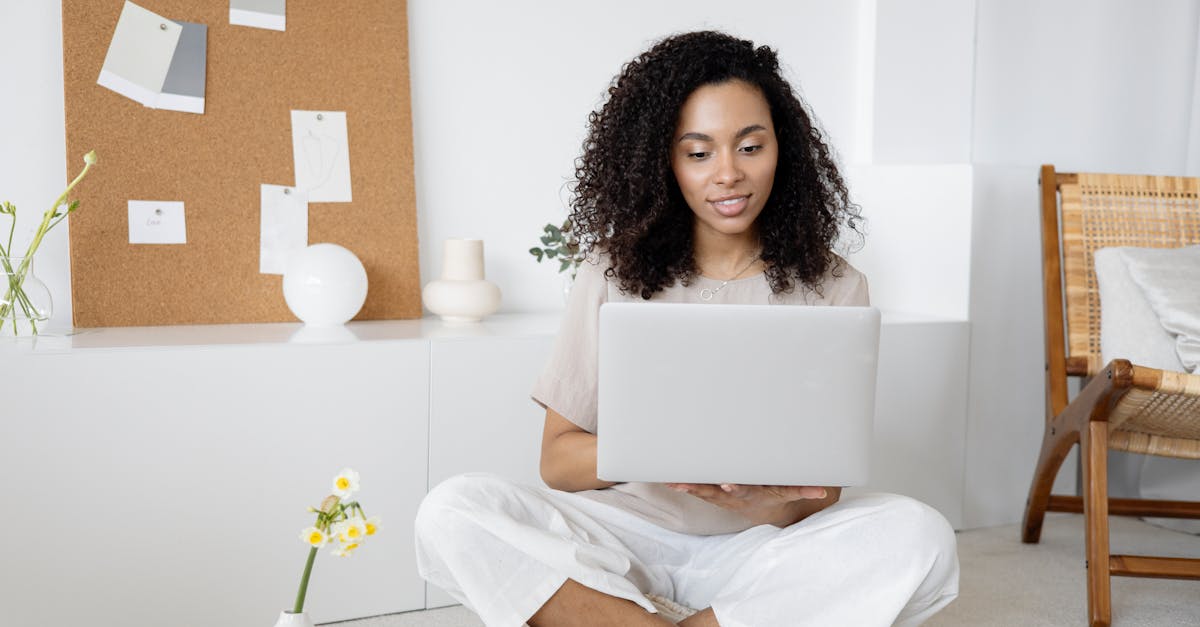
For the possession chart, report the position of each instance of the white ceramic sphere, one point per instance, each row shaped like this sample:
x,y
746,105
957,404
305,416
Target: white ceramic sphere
x,y
324,284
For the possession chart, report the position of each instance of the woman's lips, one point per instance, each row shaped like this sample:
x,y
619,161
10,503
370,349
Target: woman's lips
x,y
730,207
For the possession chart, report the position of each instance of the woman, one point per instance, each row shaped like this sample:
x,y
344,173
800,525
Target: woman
x,y
703,179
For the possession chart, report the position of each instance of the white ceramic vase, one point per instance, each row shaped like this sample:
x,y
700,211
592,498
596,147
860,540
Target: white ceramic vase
x,y
288,619
462,294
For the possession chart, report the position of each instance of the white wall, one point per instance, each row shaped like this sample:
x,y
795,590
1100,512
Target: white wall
x,y
33,137
924,59
1086,85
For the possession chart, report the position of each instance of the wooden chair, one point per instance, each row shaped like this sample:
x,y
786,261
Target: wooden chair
x,y
1121,406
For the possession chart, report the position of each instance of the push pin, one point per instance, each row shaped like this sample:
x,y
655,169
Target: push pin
x,y
320,116
287,190
162,27
158,212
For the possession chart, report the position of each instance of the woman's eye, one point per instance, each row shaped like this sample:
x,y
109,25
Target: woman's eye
x,y
697,155
751,148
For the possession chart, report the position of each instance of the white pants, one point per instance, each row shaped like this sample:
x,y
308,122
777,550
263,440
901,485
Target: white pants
x,y
504,549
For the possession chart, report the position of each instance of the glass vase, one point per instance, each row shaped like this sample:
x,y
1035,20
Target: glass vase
x,y
25,304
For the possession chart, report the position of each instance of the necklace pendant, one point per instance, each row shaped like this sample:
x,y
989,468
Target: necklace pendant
x,y
706,294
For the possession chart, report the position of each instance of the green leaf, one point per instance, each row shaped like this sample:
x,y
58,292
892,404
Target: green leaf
x,y
554,231
547,240
551,253
73,206
566,263
536,252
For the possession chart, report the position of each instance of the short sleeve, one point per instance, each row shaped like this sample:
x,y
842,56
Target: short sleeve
x,y
854,292
568,384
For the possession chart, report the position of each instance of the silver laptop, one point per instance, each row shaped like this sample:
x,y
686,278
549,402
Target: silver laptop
x,y
748,394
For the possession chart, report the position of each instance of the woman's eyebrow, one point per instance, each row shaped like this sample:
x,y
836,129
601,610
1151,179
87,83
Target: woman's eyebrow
x,y
705,138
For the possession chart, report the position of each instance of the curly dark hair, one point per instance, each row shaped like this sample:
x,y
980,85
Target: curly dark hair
x,y
627,202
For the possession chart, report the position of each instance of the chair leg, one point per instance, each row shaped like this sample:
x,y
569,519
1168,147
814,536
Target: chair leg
x,y
1095,513
1060,436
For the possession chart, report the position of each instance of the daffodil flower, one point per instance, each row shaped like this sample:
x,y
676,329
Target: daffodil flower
x,y
337,519
345,550
314,537
350,530
345,483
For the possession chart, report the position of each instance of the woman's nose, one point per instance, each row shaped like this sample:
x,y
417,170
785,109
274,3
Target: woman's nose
x,y
728,172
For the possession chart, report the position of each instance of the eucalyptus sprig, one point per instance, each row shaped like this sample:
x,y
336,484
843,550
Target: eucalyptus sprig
x,y
559,242
15,296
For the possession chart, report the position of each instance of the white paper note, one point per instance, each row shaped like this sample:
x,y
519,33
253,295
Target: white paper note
x,y
139,55
321,151
271,14
284,226
157,222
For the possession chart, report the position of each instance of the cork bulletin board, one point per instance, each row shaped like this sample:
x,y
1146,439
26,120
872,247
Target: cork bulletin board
x,y
347,56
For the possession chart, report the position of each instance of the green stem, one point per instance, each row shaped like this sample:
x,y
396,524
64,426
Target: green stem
x,y
312,554
18,277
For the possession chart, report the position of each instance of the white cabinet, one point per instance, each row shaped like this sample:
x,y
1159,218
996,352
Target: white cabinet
x,y
167,486
920,412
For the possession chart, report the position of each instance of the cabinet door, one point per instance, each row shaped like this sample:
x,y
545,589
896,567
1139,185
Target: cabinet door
x,y
481,418
169,486
920,414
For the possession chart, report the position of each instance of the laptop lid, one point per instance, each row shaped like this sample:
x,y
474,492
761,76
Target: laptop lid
x,y
749,394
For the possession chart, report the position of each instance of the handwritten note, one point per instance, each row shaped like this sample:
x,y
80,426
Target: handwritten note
x,y
321,151
157,222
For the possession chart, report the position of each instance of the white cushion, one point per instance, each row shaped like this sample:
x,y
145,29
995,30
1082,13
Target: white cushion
x,y
1144,298
1129,328
1170,280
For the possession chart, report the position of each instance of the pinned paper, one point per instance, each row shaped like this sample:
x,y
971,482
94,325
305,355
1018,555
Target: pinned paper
x,y
321,151
183,89
284,226
139,55
270,14
156,222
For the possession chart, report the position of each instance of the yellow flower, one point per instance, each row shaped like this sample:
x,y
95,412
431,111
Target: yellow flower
x,y
90,158
345,550
314,537
350,530
345,483
373,523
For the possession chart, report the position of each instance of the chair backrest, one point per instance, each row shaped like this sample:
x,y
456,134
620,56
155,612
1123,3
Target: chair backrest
x,y
1089,212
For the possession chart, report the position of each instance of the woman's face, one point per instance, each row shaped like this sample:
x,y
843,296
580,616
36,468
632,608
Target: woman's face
x,y
724,155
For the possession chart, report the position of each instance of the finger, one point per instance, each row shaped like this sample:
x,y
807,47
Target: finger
x,y
735,490
807,492
706,491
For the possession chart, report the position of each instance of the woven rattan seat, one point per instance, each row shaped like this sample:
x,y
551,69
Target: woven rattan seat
x,y
1121,406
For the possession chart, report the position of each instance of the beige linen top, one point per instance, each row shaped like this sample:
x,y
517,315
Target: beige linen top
x,y
569,382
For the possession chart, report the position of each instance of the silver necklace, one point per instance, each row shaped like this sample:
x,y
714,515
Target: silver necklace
x,y
707,294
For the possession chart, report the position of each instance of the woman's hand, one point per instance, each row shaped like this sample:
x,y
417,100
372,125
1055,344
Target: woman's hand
x,y
775,505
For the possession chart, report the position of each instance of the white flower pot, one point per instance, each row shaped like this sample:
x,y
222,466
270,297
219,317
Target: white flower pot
x,y
462,294
288,619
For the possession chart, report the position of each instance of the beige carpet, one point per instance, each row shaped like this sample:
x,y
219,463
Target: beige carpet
x,y
1006,583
